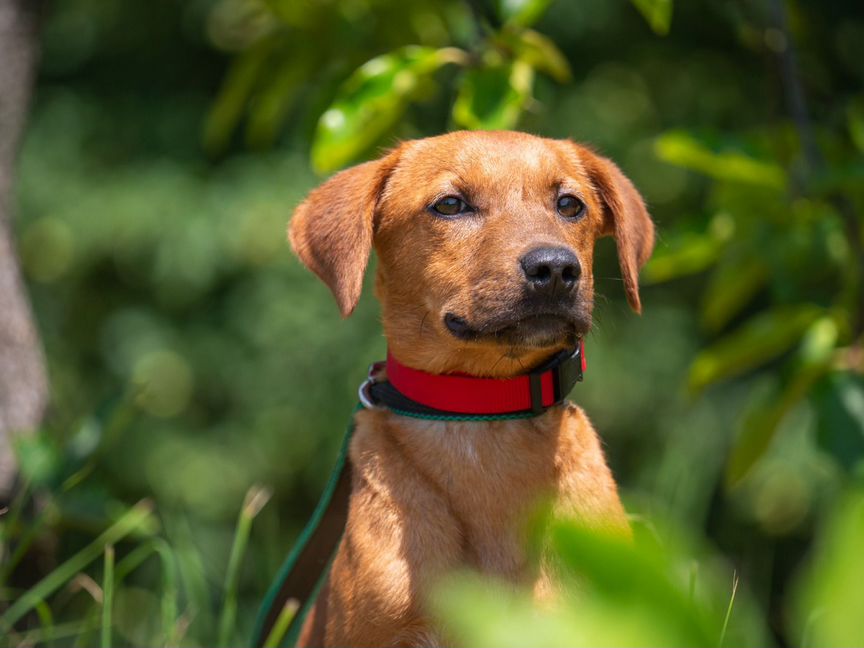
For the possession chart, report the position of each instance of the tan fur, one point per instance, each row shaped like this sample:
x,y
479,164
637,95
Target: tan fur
x,y
429,497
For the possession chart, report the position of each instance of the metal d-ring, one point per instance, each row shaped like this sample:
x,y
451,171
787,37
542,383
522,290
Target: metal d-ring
x,y
364,392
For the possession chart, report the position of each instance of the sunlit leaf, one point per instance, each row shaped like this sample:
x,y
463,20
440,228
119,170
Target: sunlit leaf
x,y
492,97
760,339
615,567
839,401
646,578
681,256
828,598
522,12
371,101
657,13
538,51
475,612
733,283
684,150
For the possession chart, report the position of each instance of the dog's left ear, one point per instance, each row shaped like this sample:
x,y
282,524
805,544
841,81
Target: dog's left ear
x,y
624,217
332,230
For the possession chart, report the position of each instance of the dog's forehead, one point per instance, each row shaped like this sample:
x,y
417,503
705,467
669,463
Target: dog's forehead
x,y
486,158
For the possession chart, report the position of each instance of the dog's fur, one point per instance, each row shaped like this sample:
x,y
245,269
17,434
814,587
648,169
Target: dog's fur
x,y
429,497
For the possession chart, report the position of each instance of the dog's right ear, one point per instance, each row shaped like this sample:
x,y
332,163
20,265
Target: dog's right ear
x,y
332,230
625,217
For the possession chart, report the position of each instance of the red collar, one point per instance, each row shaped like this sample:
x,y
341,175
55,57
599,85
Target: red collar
x,y
420,394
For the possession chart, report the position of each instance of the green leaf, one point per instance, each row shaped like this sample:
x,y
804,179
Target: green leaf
x,y
839,401
38,457
759,424
828,598
372,101
237,88
643,581
492,97
539,52
681,256
855,121
657,13
271,104
684,150
760,339
733,283
522,12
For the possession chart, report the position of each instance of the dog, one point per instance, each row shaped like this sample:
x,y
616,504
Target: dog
x,y
485,242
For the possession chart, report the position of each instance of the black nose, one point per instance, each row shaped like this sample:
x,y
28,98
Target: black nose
x,y
553,271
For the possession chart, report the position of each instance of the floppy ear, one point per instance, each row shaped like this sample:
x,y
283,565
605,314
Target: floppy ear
x,y
624,217
331,231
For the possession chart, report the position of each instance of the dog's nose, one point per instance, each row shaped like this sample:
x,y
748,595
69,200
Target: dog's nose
x,y
553,271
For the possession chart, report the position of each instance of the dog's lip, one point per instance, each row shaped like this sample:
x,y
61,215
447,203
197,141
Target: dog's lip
x,y
460,327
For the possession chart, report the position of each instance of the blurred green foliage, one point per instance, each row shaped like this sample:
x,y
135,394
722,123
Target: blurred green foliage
x,y
192,358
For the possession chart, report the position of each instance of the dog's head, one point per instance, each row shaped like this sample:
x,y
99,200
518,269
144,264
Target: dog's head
x,y
485,243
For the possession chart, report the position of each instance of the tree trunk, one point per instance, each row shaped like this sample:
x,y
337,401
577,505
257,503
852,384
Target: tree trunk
x,y
23,382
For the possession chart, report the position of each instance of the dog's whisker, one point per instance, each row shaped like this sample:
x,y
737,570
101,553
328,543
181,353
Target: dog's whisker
x,y
500,358
521,366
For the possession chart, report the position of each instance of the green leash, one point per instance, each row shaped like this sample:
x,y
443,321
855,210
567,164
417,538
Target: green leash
x,y
304,571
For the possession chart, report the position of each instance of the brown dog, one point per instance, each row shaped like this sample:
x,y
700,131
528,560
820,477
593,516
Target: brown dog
x,y
485,243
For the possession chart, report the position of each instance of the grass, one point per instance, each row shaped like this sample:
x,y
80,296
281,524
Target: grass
x,y
107,596
44,615
133,520
728,610
137,526
256,499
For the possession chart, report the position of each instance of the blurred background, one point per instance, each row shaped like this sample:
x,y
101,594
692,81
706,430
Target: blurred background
x,y
191,358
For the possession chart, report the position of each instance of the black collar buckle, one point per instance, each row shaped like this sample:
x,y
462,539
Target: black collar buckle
x,y
566,368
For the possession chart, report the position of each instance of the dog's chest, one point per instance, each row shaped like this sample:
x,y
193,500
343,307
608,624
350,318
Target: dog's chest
x,y
484,479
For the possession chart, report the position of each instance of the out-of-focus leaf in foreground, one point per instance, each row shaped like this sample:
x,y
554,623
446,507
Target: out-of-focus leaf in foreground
x,y
371,101
827,605
615,593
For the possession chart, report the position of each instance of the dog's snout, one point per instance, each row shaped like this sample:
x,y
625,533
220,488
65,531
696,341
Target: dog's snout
x,y
551,270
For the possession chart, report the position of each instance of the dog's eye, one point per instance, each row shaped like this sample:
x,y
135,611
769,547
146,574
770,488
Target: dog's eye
x,y
570,206
450,206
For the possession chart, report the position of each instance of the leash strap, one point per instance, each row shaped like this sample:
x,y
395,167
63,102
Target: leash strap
x,y
304,570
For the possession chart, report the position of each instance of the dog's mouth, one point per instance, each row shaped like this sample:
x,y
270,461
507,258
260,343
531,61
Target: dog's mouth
x,y
537,330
